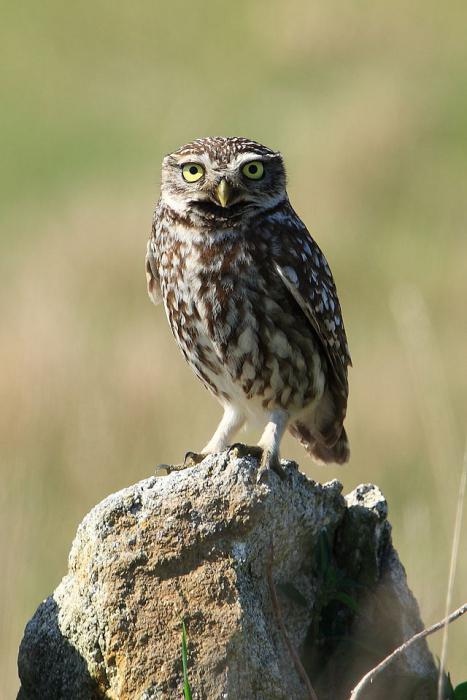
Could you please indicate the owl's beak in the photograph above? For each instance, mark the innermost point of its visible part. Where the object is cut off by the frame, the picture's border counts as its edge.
(223, 192)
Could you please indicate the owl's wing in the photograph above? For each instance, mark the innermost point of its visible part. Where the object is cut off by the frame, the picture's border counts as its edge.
(305, 272)
(152, 275)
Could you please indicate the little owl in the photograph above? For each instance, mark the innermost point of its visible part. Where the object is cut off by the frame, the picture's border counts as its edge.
(250, 298)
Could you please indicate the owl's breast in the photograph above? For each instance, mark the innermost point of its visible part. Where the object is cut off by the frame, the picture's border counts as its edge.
(269, 348)
(238, 327)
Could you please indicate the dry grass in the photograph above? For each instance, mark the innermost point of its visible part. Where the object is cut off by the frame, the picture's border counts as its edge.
(368, 107)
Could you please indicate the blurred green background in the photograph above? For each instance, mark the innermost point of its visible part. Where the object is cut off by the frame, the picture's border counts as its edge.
(368, 104)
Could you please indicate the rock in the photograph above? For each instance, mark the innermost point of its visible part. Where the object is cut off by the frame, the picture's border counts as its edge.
(195, 546)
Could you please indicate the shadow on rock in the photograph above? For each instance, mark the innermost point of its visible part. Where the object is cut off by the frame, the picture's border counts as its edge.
(49, 666)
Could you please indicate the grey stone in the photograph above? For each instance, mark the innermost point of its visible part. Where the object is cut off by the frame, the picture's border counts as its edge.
(195, 545)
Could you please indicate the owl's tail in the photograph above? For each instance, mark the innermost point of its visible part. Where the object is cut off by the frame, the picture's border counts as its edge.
(321, 452)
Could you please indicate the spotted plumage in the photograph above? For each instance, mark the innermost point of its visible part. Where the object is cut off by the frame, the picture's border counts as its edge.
(250, 297)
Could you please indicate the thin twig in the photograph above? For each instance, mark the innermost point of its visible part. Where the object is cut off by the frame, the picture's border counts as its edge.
(452, 571)
(371, 675)
(280, 621)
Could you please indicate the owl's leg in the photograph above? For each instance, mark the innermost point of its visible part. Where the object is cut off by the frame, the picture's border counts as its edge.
(270, 442)
(231, 422)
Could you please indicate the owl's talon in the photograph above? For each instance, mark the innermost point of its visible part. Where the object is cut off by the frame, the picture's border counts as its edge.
(163, 469)
(242, 450)
(270, 462)
(192, 459)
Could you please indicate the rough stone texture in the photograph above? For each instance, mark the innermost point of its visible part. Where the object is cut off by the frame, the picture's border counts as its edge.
(195, 545)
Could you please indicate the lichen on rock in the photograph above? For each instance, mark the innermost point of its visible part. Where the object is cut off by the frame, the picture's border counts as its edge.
(195, 546)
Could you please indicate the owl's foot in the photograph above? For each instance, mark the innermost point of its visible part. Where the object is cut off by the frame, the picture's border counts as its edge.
(242, 450)
(164, 469)
(193, 458)
(269, 461)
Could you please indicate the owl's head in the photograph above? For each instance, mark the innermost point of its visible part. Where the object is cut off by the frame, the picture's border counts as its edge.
(223, 178)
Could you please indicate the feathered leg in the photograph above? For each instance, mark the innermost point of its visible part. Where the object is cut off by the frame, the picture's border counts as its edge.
(231, 422)
(270, 442)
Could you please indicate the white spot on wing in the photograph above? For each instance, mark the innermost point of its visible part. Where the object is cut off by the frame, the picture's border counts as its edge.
(248, 371)
(280, 344)
(291, 275)
(246, 340)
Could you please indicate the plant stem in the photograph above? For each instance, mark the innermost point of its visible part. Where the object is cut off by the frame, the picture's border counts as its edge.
(369, 677)
(452, 570)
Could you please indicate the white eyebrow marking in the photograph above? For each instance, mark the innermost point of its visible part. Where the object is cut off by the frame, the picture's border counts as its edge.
(242, 158)
(201, 158)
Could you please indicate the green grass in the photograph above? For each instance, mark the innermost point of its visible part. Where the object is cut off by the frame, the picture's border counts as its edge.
(186, 682)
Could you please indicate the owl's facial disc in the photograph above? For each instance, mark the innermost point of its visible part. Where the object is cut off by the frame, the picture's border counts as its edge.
(222, 179)
(232, 188)
(223, 201)
(217, 191)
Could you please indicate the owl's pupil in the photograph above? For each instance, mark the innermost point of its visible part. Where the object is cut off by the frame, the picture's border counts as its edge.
(193, 170)
(253, 169)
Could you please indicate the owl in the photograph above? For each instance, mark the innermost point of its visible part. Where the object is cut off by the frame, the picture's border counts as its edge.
(250, 298)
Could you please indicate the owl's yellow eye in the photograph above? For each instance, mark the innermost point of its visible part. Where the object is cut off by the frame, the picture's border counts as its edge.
(192, 172)
(254, 170)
